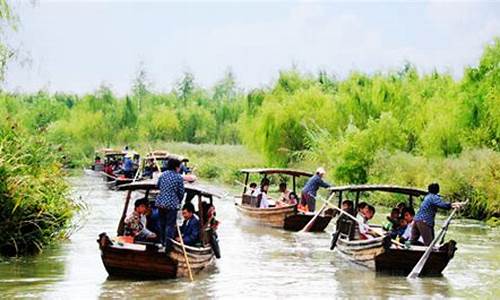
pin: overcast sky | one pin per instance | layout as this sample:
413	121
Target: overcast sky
76	46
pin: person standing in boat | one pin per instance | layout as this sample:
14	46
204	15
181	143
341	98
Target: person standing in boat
128	166
311	188
171	186
423	223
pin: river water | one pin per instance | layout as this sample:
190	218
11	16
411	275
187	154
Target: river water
257	262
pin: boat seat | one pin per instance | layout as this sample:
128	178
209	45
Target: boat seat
250	201
346	227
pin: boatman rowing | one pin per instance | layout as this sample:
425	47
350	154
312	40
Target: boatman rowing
311	188
424	220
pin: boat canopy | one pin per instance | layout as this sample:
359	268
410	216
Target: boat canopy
158	154
177	156
152	184
111	152
381	188
269	171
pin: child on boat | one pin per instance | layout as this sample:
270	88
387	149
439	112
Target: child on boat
135	223
252	190
393	220
284	199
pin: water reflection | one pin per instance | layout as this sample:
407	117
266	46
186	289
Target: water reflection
256	262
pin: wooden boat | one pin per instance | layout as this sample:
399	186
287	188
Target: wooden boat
123	258
110	156
160	157
381	254
286	217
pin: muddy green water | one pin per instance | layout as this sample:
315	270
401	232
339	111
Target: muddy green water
257	262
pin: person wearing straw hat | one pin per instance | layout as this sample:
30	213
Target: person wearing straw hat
311	188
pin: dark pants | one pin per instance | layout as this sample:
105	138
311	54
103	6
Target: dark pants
309	200
167	219
421	228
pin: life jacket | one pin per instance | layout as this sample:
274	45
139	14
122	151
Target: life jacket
303	208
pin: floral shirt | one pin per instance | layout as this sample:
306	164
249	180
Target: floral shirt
134	223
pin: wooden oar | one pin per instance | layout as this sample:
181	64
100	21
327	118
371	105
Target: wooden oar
184	251
139	172
310	224
421	263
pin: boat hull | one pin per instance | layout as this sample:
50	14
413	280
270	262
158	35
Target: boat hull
274	217
283	217
299	221
378	254
140	261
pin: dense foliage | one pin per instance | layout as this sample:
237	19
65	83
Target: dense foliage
34	204
397	127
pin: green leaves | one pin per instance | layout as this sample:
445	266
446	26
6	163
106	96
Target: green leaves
34	204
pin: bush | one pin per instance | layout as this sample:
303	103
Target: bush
473	175
35	208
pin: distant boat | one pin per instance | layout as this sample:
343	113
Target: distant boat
285	217
124	258
382	254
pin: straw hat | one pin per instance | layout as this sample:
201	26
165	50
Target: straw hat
320	171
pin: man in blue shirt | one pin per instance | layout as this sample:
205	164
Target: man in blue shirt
311	188
128	166
423	225
171	186
190	228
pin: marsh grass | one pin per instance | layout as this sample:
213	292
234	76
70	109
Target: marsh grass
35	209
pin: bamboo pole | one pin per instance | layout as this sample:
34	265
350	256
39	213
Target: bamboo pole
184	252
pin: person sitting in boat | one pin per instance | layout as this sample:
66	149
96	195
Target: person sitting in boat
284	199
401	206
135	223
423	225
311	188
361	210
393	220
190	228
108	169
367	214
397	231
293	199
408	215
262	196
347	206
252	191
149	169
